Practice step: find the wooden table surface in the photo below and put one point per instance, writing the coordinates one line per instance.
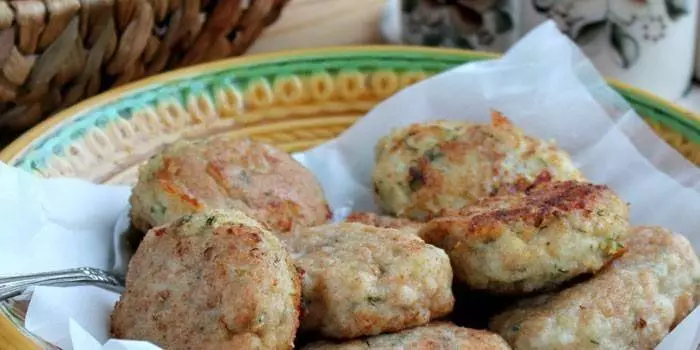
(318, 23)
(303, 24)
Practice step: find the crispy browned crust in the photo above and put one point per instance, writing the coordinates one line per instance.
(436, 335)
(209, 281)
(384, 221)
(361, 280)
(427, 167)
(533, 240)
(537, 206)
(631, 304)
(224, 172)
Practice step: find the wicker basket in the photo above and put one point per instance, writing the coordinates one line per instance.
(54, 53)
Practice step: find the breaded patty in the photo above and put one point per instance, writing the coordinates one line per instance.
(212, 280)
(363, 280)
(225, 172)
(434, 336)
(631, 304)
(425, 168)
(372, 219)
(533, 240)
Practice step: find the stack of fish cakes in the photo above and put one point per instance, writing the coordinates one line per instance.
(240, 252)
(516, 218)
(224, 172)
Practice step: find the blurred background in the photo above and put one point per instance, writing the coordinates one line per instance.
(650, 44)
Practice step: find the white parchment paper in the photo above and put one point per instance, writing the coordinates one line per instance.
(543, 84)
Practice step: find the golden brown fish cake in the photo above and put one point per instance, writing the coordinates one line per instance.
(363, 280)
(384, 221)
(533, 240)
(631, 304)
(211, 280)
(424, 168)
(434, 336)
(225, 172)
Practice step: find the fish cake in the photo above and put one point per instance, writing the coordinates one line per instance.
(631, 304)
(534, 240)
(363, 280)
(225, 172)
(425, 168)
(385, 221)
(434, 336)
(211, 280)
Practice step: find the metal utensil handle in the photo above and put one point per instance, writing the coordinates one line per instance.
(11, 286)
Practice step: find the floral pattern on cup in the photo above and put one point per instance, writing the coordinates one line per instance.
(466, 24)
(621, 24)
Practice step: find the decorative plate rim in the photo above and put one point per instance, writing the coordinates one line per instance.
(20, 144)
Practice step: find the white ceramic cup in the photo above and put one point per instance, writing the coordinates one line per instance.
(645, 43)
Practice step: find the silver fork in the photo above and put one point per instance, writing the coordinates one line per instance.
(12, 286)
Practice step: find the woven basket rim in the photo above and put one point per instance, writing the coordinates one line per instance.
(15, 148)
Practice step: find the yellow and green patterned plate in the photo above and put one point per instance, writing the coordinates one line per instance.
(292, 99)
